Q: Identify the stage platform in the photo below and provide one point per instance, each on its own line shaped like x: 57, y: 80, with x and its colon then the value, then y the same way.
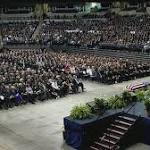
x: 79, y: 134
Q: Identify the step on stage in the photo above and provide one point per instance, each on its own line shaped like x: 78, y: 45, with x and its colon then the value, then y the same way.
x: 113, y: 129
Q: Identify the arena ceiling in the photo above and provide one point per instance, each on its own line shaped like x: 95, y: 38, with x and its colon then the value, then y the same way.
x: 60, y: 1
x: 9, y: 3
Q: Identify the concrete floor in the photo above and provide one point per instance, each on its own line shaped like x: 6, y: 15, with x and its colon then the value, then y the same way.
x: 40, y: 126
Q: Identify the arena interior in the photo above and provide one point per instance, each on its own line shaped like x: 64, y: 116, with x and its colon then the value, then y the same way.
x: 56, y: 55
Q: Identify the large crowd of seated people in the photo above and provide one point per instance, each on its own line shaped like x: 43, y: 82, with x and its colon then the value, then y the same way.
x: 102, y: 69
x: 127, y: 31
x: 30, y: 75
x: 130, y: 31
x: 17, y: 32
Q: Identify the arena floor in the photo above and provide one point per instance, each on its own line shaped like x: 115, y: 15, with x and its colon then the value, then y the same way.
x: 40, y: 126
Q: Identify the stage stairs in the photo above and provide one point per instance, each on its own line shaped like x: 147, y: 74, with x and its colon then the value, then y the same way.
x: 117, y: 130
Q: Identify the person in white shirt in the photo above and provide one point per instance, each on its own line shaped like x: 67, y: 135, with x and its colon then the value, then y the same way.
x: 54, y: 84
x: 89, y: 71
x: 55, y: 87
x: 29, y: 92
x: 29, y: 89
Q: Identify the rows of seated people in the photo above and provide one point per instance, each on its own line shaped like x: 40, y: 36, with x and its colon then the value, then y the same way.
x: 130, y: 31
x: 17, y: 32
x: 32, y: 75
x: 102, y: 69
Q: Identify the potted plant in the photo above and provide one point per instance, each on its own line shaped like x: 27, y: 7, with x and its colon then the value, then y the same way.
x: 147, y: 105
x: 140, y: 94
x: 100, y: 105
x: 147, y: 93
x: 116, y: 102
x: 80, y: 112
x: 127, y: 97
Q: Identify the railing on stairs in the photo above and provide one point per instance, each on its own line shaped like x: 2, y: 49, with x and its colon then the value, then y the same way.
x: 116, y: 147
x: 106, y: 140
x: 129, y: 109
